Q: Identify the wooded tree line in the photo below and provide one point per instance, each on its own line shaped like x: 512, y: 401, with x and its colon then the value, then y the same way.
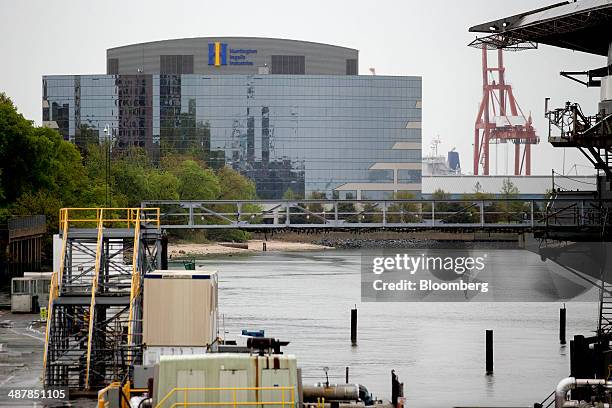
x: 40, y: 173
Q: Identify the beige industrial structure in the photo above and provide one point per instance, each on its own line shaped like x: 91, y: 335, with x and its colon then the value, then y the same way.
x: 180, y: 308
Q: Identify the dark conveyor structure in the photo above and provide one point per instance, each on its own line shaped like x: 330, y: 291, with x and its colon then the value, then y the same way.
x: 584, y: 26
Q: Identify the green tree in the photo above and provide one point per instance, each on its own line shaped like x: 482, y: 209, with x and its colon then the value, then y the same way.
x: 481, y: 199
x: 347, y: 210
x: 234, y: 186
x: 162, y: 185
x: 33, y: 158
x: 403, y: 212
x: 196, y: 182
x: 129, y: 179
x: 39, y: 169
x: 512, y: 210
x: 289, y: 194
x: 40, y: 202
x: 314, y: 208
x: 371, y: 213
x: 449, y: 212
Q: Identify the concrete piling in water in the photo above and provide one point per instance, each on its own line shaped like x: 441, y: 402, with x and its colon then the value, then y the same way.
x: 562, y: 316
x: 354, y: 326
x: 489, y: 351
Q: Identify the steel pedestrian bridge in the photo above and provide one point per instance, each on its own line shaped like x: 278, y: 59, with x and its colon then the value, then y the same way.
x: 461, y: 215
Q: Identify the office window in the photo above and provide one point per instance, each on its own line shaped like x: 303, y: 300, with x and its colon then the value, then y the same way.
x: 176, y: 64
x: 381, y: 176
x: 351, y: 67
x: 288, y: 64
x: 408, y: 176
x: 376, y: 194
x: 112, y: 66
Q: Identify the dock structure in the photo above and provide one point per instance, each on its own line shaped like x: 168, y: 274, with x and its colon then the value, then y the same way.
x: 94, y: 326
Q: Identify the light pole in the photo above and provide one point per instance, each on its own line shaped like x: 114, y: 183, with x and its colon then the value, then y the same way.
x: 109, y: 141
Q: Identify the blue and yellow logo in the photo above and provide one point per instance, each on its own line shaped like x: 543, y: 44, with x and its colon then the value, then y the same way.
x: 217, y: 54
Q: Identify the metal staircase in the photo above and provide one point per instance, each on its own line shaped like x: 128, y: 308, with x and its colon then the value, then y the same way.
x: 605, y: 309
x: 604, y: 326
x: 94, y: 321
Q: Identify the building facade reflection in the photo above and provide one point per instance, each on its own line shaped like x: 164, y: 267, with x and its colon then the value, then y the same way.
x: 284, y: 125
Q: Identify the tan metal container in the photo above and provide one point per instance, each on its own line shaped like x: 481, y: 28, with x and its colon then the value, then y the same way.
x: 249, y: 380
x: 180, y: 308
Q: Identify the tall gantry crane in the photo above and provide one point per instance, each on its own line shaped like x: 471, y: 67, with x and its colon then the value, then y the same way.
x: 500, y: 119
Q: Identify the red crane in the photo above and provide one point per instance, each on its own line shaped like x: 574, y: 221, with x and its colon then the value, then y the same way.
x: 494, y: 124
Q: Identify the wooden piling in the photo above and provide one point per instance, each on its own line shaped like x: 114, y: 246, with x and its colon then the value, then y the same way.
x: 489, y: 351
x: 354, y: 326
x: 562, y: 316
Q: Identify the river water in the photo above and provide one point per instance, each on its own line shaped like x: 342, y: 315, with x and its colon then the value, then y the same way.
x: 436, y: 348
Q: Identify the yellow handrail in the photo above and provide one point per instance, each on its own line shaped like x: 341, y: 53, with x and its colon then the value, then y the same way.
x: 52, y: 295
x: 55, y: 284
x: 135, y: 286
x: 94, y: 288
x: 126, y: 215
x: 233, y: 403
x: 102, y: 393
x: 64, y: 213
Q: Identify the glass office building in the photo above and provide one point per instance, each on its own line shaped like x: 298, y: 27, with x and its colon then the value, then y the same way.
x: 348, y: 136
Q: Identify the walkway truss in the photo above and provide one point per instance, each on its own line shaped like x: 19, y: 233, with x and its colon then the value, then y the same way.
x: 478, y: 214
x: 94, y: 326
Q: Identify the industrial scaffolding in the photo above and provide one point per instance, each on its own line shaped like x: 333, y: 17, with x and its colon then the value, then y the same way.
x: 94, y: 326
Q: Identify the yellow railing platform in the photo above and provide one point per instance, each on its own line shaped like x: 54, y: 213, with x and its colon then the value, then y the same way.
x: 290, y: 402
x: 283, y: 392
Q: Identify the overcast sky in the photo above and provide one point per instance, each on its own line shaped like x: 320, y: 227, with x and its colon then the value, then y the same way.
x: 425, y: 38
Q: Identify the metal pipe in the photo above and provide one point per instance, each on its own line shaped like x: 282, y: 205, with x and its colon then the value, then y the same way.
x: 570, y: 383
x: 335, y: 392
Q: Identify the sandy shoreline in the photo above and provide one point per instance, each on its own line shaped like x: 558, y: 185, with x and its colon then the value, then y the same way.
x: 186, y: 250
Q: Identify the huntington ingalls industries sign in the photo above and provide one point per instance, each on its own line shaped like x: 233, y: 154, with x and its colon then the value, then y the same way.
x: 218, y: 55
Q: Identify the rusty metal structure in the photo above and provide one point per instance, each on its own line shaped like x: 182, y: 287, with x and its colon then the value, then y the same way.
x: 500, y: 119
x: 581, y: 26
